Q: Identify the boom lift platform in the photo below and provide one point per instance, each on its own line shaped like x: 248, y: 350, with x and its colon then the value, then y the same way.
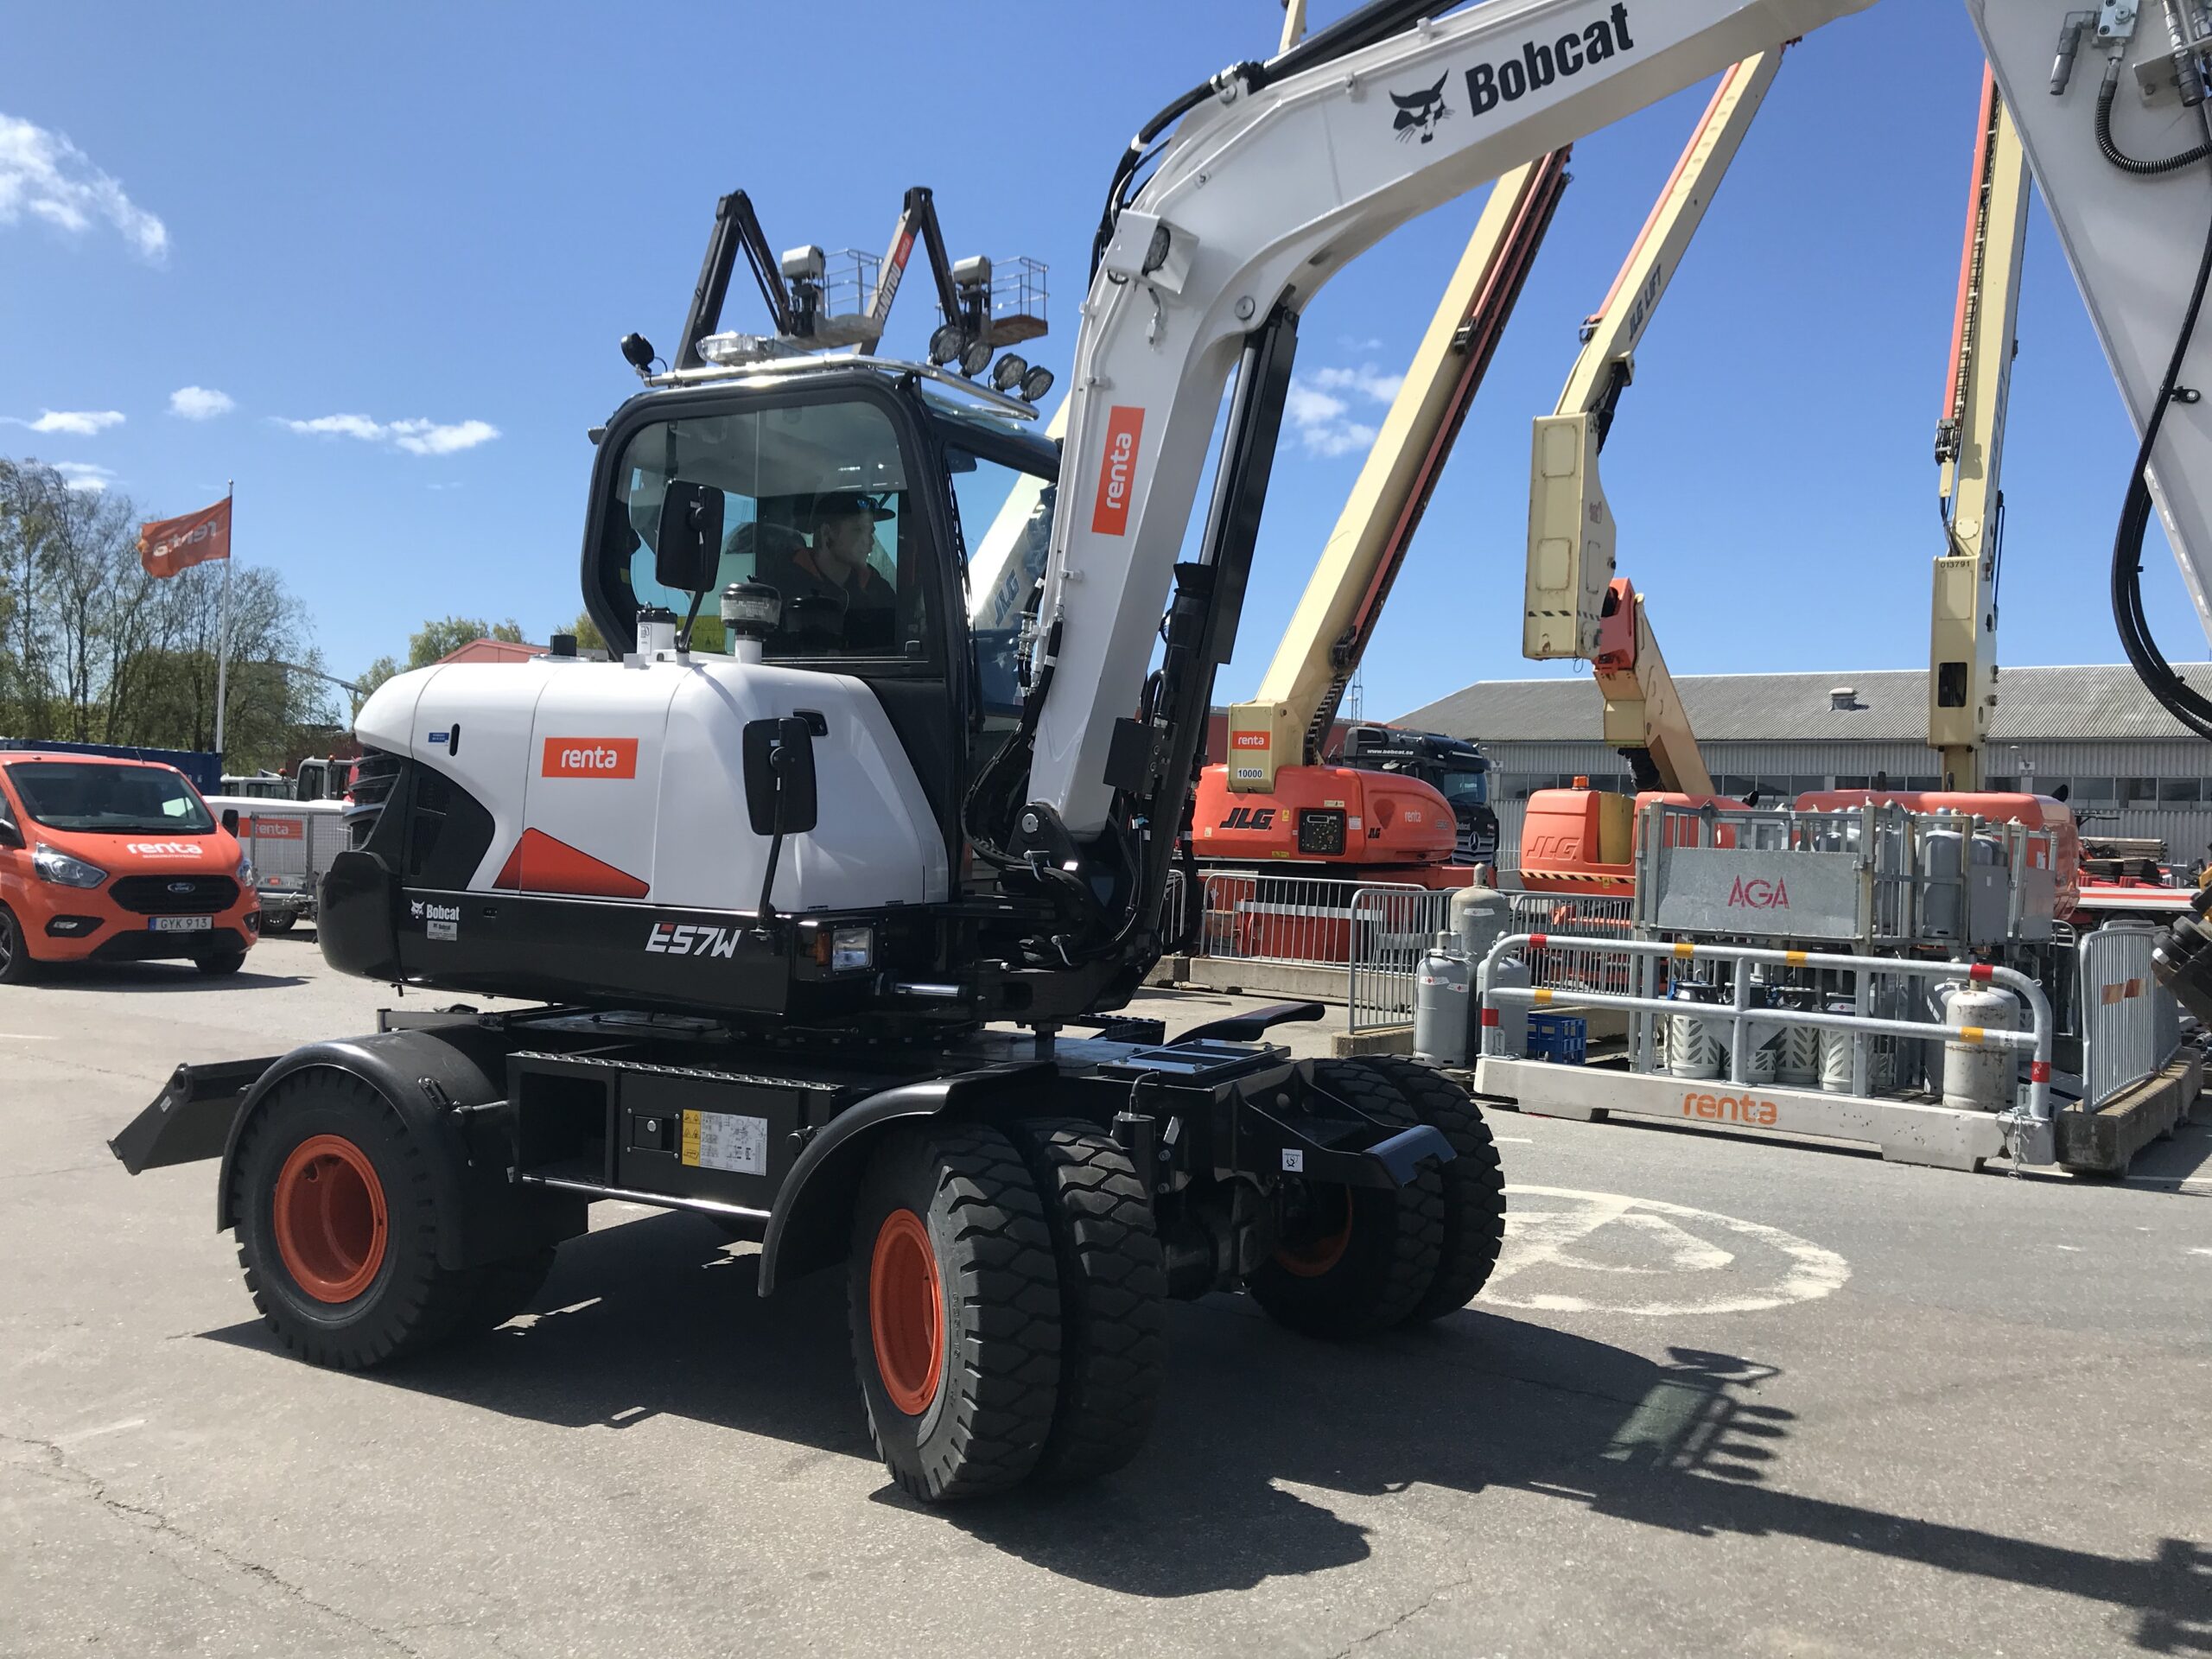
x: 779, y: 904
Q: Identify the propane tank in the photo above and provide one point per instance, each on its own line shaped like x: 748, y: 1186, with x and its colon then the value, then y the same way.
x: 1939, y: 911
x: 1835, y: 1054
x: 1693, y: 1051
x: 1440, y: 1004
x: 1978, y: 1078
x: 1762, y: 1040
x: 1481, y: 916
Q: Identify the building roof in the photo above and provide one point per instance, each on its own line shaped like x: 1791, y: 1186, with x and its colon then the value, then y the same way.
x: 493, y: 651
x: 2096, y: 703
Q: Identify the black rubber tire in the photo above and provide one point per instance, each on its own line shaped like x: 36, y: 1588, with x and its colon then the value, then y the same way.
x: 1113, y: 1288
x: 220, y: 966
x: 412, y: 1304
x: 17, y: 965
x: 1396, y: 1239
x: 1474, y: 1186
x: 279, y: 921
x: 986, y: 1425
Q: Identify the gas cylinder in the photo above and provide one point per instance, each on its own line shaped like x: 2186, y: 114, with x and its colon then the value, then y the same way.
x: 1976, y: 1077
x: 1440, y: 1003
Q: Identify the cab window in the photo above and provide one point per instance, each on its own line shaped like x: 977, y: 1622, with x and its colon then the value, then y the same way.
x: 815, y: 503
x: 1006, y: 520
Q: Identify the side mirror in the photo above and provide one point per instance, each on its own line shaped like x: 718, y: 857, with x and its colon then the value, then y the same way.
x: 688, y: 549
x: 779, y: 777
x: 10, y: 836
x: 231, y: 820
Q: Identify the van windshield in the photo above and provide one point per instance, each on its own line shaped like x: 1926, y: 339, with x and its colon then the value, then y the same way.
x: 108, y: 800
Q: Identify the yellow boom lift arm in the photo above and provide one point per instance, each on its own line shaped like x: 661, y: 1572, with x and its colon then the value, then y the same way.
x: 1970, y: 443
x: 1573, y: 605
x: 1320, y: 652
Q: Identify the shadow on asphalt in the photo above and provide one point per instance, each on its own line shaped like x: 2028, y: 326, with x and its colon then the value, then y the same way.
x: 657, y: 1316
x: 165, y: 976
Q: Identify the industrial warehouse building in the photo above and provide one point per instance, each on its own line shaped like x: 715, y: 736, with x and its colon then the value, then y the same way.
x: 2128, y: 767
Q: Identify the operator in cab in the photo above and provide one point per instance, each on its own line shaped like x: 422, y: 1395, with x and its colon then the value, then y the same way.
x: 829, y: 586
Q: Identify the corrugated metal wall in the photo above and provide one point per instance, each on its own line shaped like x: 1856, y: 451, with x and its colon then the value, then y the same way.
x: 2120, y: 789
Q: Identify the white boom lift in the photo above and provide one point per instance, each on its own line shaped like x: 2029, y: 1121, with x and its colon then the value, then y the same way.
x: 781, y: 914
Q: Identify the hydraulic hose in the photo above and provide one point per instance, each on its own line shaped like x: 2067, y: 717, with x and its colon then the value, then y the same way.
x: 2190, y: 708
x: 2106, y: 91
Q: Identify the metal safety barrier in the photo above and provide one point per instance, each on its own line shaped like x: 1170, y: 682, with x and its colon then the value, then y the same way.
x: 1566, y: 916
x: 1301, y: 920
x: 1392, y: 928
x: 292, y: 848
x: 2029, y: 1136
x: 2131, y: 1025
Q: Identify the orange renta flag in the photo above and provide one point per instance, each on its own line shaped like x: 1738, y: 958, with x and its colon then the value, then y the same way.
x: 168, y: 545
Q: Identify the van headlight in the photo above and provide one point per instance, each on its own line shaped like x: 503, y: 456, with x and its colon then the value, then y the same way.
x: 56, y: 866
x: 852, y: 949
x: 246, y: 872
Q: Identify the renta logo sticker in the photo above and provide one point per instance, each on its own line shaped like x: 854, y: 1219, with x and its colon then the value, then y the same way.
x: 1248, y: 741
x: 590, y: 757
x: 1758, y: 895
x: 278, y: 830
x: 1117, y: 473
x: 165, y: 848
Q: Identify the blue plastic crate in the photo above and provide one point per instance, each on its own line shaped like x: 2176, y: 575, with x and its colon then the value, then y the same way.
x: 1562, y: 1039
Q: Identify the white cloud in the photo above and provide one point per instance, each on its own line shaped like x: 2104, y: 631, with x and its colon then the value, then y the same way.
x: 201, y: 403
x: 77, y: 423
x: 428, y: 438
x: 1319, y: 407
x: 416, y: 437
x: 43, y: 175
x: 1366, y: 380
x: 83, y: 475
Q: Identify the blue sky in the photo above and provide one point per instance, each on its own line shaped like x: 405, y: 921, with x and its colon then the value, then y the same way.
x: 439, y: 220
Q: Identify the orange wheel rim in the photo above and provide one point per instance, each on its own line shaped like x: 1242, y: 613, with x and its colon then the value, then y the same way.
x: 1317, y: 1255
x: 331, y: 1224
x: 905, y: 1313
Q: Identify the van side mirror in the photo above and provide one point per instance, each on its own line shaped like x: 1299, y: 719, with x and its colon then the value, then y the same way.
x: 688, y: 549
x: 10, y: 836
x: 779, y: 794
x: 231, y: 820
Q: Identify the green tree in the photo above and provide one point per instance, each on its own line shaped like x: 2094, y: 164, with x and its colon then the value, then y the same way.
x: 445, y: 635
x: 588, y: 637
x: 376, y: 674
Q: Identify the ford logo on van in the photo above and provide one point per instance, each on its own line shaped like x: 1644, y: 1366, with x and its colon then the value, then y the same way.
x: 180, y: 887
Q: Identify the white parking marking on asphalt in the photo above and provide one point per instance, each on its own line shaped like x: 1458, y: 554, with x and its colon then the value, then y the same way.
x: 1652, y: 1240
x: 28, y: 1037
x: 2200, y: 1249
x: 1513, y: 1141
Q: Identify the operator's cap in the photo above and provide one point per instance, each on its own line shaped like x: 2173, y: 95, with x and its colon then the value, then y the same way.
x: 845, y: 503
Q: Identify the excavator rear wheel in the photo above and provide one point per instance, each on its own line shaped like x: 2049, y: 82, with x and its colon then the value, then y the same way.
x: 954, y: 1303
x: 1354, y: 1260
x: 1474, y: 1186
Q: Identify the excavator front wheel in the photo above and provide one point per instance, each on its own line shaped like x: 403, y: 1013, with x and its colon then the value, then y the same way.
x: 955, y: 1309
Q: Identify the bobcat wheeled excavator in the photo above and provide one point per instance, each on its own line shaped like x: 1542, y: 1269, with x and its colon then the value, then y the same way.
x: 817, y: 951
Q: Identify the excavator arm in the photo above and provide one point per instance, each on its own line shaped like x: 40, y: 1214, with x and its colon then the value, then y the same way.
x: 1273, y: 177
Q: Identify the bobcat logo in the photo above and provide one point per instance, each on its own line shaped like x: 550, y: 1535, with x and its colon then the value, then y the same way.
x: 1420, y: 112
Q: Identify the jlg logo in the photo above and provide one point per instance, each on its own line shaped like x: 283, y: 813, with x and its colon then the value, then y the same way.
x: 590, y: 757
x: 1117, y: 476
x: 1250, y: 817
x: 1758, y: 895
x: 667, y: 939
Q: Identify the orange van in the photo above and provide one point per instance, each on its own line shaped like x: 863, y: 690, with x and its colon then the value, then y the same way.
x: 109, y: 860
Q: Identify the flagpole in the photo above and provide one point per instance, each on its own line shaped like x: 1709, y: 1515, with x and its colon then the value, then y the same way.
x: 223, y: 632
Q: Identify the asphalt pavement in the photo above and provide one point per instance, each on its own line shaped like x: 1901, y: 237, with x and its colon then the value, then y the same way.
x: 1723, y: 1397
